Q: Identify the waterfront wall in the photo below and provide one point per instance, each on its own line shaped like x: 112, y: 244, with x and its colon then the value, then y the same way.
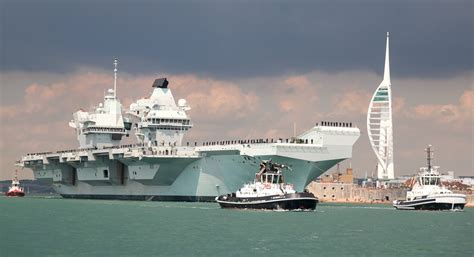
x: 339, y: 192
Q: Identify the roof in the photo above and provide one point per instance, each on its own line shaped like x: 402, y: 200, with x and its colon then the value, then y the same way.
x: 160, y: 83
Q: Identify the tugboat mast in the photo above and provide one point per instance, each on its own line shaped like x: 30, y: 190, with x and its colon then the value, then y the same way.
x: 428, y: 156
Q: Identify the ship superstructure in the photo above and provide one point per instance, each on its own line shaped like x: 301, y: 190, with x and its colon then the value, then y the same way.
x: 104, y: 124
x: 158, y: 120
x: 160, y: 167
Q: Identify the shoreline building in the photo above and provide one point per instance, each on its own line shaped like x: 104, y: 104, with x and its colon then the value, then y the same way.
x: 379, y: 123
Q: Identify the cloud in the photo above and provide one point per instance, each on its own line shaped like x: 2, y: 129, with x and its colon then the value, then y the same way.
x: 398, y: 105
x: 8, y: 112
x: 67, y: 93
x: 38, y: 121
x: 212, y: 99
x: 297, y: 83
x: 457, y: 115
x: 295, y: 95
x: 235, y: 39
x: 354, y: 101
x: 35, y: 109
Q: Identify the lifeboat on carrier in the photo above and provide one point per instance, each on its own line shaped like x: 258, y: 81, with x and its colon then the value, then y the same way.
x: 269, y: 192
x: 15, y: 189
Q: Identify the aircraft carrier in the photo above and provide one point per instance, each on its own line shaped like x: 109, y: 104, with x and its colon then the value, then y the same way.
x: 160, y: 167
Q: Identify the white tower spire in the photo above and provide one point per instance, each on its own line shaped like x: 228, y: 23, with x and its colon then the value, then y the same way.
x: 386, y: 73
x: 115, y: 77
x: 379, y: 123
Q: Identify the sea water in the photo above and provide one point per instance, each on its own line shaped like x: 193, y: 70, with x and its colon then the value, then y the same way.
x: 65, y: 227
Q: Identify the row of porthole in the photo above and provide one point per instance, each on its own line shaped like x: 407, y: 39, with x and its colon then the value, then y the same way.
x: 158, y: 121
x: 333, y: 188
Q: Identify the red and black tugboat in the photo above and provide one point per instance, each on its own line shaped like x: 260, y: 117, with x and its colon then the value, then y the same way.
x: 269, y: 192
x: 15, y: 189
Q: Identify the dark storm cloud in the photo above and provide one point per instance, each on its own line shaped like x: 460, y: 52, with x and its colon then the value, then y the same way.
x: 237, y: 39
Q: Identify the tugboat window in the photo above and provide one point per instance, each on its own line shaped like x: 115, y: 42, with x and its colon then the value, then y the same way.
x: 275, y: 179
x: 106, y: 173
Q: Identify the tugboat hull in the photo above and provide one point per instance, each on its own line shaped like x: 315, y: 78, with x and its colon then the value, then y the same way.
x: 15, y: 194
x: 290, y: 202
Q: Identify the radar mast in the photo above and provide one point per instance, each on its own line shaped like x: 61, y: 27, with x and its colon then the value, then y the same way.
x: 115, y: 77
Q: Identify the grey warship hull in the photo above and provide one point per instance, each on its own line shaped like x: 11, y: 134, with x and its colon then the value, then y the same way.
x: 190, y: 174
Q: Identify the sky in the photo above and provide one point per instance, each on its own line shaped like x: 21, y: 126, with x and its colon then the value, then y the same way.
x: 248, y: 69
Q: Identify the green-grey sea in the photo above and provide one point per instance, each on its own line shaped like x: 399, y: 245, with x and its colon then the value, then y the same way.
x: 40, y: 226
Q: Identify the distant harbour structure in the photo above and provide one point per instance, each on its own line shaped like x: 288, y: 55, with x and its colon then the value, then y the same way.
x: 379, y: 123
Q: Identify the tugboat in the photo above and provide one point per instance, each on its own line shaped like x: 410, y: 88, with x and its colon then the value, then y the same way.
x: 269, y: 192
x: 15, y: 189
x: 428, y: 194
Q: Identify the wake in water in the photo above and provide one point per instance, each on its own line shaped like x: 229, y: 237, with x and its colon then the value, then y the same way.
x: 360, y: 207
x: 181, y: 207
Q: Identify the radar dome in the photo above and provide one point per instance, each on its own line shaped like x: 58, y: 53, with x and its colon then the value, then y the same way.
x: 182, y: 102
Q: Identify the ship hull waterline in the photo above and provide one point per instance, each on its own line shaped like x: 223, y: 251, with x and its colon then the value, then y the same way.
x: 15, y: 194
x: 451, y: 203
x: 290, y: 202
x: 200, y: 181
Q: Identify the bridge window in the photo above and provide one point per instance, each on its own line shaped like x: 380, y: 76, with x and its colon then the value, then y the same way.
x: 275, y: 179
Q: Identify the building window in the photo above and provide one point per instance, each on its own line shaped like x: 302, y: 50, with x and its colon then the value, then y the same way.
x: 106, y: 173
